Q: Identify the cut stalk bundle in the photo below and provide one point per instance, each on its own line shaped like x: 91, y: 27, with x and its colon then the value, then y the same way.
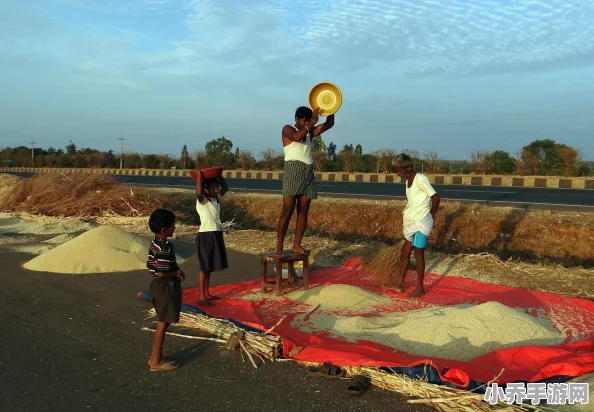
x: 384, y: 264
x: 259, y: 344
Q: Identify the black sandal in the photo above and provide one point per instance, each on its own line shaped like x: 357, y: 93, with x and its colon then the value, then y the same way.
x: 359, y: 385
x: 326, y: 370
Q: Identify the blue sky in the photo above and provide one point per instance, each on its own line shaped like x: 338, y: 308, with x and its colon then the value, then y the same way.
x: 450, y: 76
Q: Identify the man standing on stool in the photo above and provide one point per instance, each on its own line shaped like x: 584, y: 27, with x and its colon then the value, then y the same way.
x: 299, y: 181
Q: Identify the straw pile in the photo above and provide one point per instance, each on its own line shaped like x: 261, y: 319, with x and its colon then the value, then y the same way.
x: 384, y: 264
x: 261, y: 345
x: 79, y: 195
x: 7, y: 184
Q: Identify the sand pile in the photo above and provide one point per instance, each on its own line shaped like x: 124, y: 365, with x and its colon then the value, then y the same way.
x: 33, y: 225
x: 455, y: 332
x: 339, y: 298
x: 100, y: 250
x: 58, y: 240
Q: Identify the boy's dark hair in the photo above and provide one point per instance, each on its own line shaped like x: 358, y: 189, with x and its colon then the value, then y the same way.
x: 303, y: 112
x: 161, y: 219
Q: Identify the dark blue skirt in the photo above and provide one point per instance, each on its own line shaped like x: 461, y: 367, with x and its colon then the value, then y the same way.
x: 212, y: 254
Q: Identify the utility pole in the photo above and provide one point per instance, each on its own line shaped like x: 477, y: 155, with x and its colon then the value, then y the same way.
x: 33, y: 143
x: 121, y: 139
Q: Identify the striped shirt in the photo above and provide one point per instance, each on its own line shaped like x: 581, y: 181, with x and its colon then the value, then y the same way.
x: 161, y: 257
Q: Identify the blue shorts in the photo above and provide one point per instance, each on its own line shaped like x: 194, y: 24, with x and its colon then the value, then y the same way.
x: 419, y: 240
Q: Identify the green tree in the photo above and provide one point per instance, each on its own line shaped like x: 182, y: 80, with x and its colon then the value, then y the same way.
x: 184, y: 158
x: 541, y: 157
x: 71, y: 148
x: 218, y: 152
x: 503, y: 163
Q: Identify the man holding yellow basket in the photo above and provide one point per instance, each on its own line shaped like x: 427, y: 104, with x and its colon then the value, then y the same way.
x: 299, y: 182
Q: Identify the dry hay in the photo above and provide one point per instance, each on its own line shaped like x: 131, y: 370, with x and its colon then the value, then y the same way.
x: 100, y: 250
x: 459, y: 228
x: 79, y: 195
x: 384, y: 264
x: 7, y: 184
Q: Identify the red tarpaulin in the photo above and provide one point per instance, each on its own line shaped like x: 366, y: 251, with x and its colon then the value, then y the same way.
x: 572, y: 316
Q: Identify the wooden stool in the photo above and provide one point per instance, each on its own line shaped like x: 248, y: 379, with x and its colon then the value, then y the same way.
x: 290, y: 258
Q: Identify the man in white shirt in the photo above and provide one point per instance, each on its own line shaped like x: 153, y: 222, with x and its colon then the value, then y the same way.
x: 418, y: 219
x: 299, y: 182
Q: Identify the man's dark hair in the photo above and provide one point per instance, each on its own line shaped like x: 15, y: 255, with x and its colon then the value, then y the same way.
x: 161, y: 219
x: 303, y: 112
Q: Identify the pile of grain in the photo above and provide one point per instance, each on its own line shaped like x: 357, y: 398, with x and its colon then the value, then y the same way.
x: 33, y: 225
x: 100, y: 250
x: 454, y: 332
x: 339, y: 298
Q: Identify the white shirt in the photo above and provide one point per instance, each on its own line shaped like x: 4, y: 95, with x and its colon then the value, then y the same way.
x: 300, y: 151
x: 210, y: 215
x: 419, y: 200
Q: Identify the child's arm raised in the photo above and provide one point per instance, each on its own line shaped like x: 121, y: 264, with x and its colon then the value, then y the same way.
x: 225, y: 187
x: 199, y: 194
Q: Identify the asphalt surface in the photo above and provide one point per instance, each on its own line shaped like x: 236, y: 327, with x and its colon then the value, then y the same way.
x: 526, y: 197
x: 73, y: 343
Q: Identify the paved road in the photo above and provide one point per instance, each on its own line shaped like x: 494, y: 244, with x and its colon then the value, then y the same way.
x: 73, y: 343
x: 567, y: 199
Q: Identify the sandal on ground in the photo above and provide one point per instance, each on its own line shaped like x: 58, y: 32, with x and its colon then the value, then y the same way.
x: 359, y: 385
x: 165, y: 366
x: 326, y: 370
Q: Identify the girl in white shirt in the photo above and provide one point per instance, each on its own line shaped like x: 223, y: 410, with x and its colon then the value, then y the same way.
x: 210, y: 245
x: 418, y: 220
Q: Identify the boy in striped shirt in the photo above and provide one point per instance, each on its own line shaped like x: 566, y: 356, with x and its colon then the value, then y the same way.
x: 165, y: 286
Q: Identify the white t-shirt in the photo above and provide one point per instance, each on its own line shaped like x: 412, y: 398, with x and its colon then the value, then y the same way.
x: 419, y: 200
x: 210, y: 215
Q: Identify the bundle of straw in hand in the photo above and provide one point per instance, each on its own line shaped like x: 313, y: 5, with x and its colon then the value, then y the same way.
x: 384, y: 264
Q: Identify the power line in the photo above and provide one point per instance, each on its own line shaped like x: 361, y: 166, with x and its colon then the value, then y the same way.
x: 121, y: 139
x: 33, y: 143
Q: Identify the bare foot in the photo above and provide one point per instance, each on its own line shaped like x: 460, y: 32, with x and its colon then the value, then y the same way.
x: 399, y: 288
x: 279, y: 253
x: 299, y: 249
x: 212, y: 297
x: 417, y: 293
x: 163, y: 359
x: 164, y: 364
x: 204, y: 302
